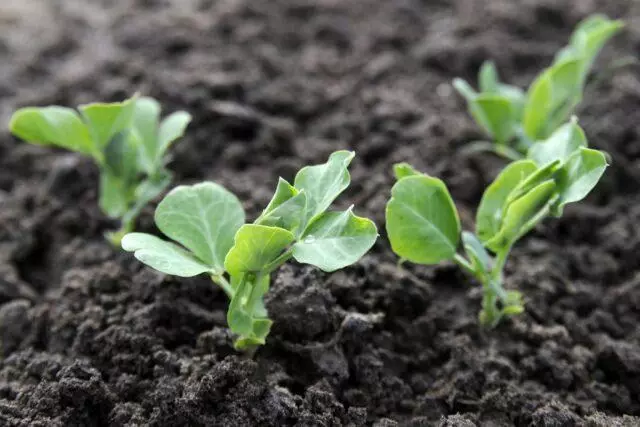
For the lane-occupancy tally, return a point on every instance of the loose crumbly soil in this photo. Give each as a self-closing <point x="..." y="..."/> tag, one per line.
<point x="90" y="337"/>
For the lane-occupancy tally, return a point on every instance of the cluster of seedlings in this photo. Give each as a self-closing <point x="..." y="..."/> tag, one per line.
<point x="551" y="166"/>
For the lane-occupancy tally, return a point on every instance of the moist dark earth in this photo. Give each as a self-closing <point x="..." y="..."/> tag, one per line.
<point x="91" y="337"/>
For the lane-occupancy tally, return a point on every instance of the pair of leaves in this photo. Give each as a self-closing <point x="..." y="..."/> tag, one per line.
<point x="559" y="171"/>
<point x="124" y="138"/>
<point x="497" y="108"/>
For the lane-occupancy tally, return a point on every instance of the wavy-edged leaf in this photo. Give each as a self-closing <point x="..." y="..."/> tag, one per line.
<point x="53" y="125"/>
<point x="163" y="256"/>
<point x="324" y="183"/>
<point x="491" y="209"/>
<point x="255" y="247"/>
<point x="202" y="217"/>
<point x="335" y="240"/>
<point x="422" y="221"/>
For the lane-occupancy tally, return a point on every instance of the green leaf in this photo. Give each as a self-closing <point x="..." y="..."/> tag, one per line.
<point x="488" y="78"/>
<point x="496" y="115"/>
<point x="239" y="318"/>
<point x="422" y="221"/>
<point x="580" y="175"/>
<point x="256" y="246"/>
<point x="480" y="259"/>
<point x="202" y="217"/>
<point x="522" y="215"/>
<point x="163" y="256"/>
<point x="403" y="170"/>
<point x="286" y="208"/>
<point x="335" y="240"/>
<point x="591" y="35"/>
<point x="171" y="128"/>
<point x="146" y="120"/>
<point x="105" y="120"/>
<point x="115" y="195"/>
<point x="324" y="183"/>
<point x="121" y="157"/>
<point x="559" y="146"/>
<point x="53" y="125"/>
<point x="538" y="177"/>
<point x="490" y="211"/>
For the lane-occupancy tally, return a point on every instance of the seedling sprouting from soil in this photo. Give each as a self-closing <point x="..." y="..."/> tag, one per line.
<point x="209" y="223"/>
<point x="423" y="224"/>
<point x="125" y="139"/>
<point x="513" y="120"/>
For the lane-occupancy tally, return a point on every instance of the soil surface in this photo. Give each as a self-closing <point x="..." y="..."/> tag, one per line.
<point x="91" y="337"/>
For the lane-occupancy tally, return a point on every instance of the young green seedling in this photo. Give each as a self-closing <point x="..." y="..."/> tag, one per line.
<point x="423" y="224"/>
<point x="208" y="223"/>
<point x="514" y="120"/>
<point x="125" y="139"/>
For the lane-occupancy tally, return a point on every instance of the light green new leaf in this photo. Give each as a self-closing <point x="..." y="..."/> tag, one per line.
<point x="257" y="308"/>
<point x="247" y="315"/>
<point x="239" y="316"/>
<point x="488" y="78"/>
<point x="403" y="170"/>
<point x="255" y="246"/>
<point x="115" y="195"/>
<point x="204" y="218"/>
<point x="146" y="119"/>
<point x="422" y="221"/>
<point x="163" y="256"/>
<point x="171" y="128"/>
<point x="53" y="125"/>
<point x="536" y="178"/>
<point x="323" y="183"/>
<point x="464" y="89"/>
<point x="286" y="208"/>
<point x="559" y="146"/>
<point x="480" y="259"/>
<point x="591" y="34"/>
<point x="522" y="215"/>
<point x="580" y="175"/>
<point x="105" y="120"/>
<point x="490" y="212"/>
<point x="335" y="240"/>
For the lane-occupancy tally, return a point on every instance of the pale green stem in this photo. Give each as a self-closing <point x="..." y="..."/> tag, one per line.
<point x="224" y="284"/>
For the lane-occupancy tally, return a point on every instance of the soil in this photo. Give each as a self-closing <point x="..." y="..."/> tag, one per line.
<point x="90" y="337"/>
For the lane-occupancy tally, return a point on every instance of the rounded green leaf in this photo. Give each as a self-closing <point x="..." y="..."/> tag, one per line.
<point x="104" y="120"/>
<point x="163" y="256"/>
<point x="490" y="212"/>
<point x="497" y="116"/>
<point x="204" y="218"/>
<point x="335" y="240"/>
<point x="422" y="221"/>
<point x="53" y="125"/>
<point x="256" y="246"/>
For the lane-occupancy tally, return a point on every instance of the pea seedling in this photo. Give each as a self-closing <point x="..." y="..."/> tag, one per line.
<point x="514" y="120"/>
<point x="424" y="228"/>
<point x="125" y="139"/>
<point x="209" y="222"/>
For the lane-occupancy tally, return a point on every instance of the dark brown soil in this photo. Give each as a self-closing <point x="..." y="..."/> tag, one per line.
<point x="90" y="337"/>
